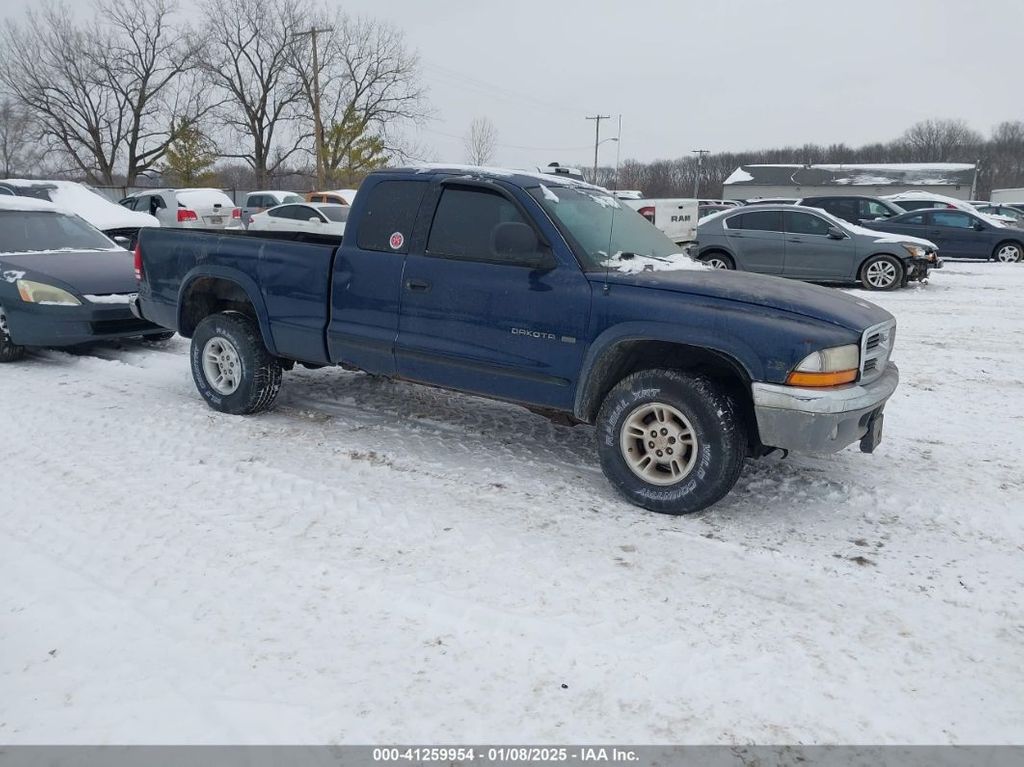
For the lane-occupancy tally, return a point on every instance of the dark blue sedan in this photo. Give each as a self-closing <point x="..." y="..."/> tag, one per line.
<point x="958" y="233"/>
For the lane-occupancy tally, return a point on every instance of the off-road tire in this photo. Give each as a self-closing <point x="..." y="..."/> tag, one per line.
<point x="9" y="351"/>
<point x="899" y="272"/>
<point x="721" y="443"/>
<point x="260" y="371"/>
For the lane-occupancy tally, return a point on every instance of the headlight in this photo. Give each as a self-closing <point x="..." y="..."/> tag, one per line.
<point x="915" y="250"/>
<point x="41" y="293"/>
<point x="828" y="367"/>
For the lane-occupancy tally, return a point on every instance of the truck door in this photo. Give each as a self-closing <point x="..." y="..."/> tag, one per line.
<point x="477" y="312"/>
<point x="367" y="276"/>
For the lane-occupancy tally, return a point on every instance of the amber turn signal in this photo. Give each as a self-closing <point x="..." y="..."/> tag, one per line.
<point x="838" y="378"/>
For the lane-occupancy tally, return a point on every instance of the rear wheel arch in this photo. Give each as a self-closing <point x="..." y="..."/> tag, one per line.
<point x="725" y="255"/>
<point x="626" y="357"/>
<point x="204" y="295"/>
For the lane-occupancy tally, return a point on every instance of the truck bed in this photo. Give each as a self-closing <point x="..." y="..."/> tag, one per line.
<point x="294" y="282"/>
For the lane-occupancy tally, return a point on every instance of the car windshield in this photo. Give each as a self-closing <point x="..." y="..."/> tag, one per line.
<point x="601" y="226"/>
<point x="291" y="199"/>
<point x="27" y="231"/>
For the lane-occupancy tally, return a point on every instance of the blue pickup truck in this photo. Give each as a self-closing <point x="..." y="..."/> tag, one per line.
<point x="540" y="290"/>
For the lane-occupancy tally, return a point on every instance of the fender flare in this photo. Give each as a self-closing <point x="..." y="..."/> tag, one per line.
<point x="244" y="282"/>
<point x="605" y="349"/>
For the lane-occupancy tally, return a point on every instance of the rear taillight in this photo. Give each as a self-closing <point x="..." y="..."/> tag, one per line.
<point x="236" y="213"/>
<point x="138" y="262"/>
<point x="184" y="214"/>
<point x="647" y="212"/>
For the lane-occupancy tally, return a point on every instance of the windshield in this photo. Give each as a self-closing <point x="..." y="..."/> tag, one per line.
<point x="601" y="226"/>
<point x="291" y="199"/>
<point x="26" y="231"/>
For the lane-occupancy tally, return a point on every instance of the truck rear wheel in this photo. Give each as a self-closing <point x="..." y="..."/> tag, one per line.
<point x="670" y="441"/>
<point x="9" y="351"/>
<point x="231" y="366"/>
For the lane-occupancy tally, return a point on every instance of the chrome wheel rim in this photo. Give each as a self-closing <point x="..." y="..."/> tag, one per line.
<point x="658" y="444"/>
<point x="221" y="365"/>
<point x="1008" y="254"/>
<point x="3" y="324"/>
<point x="716" y="263"/>
<point x="880" y="274"/>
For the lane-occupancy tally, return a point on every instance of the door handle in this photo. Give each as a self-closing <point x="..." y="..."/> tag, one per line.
<point x="794" y="239"/>
<point x="418" y="286"/>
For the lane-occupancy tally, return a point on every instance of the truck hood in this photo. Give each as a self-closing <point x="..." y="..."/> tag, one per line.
<point x="87" y="272"/>
<point x="775" y="293"/>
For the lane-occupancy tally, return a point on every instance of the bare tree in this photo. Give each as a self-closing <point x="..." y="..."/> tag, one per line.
<point x="248" y="58"/>
<point x="17" y="140"/>
<point x="938" y="141"/>
<point x="369" y="91"/>
<point x="481" y="141"/>
<point x="101" y="92"/>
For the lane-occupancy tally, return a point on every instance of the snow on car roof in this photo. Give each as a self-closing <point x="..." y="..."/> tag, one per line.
<point x="87" y="203"/>
<point x="483" y="170"/>
<point x="7" y="202"/>
<point x="203" y="197"/>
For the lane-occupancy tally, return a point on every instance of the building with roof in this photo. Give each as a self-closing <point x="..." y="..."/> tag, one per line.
<point x="749" y="182"/>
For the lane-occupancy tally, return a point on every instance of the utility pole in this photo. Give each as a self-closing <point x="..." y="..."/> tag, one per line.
<point x="318" y="126"/>
<point x="597" y="137"/>
<point x="700" y="166"/>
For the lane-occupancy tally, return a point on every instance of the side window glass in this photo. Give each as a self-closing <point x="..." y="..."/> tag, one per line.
<point x="917" y="218"/>
<point x="805" y="223"/>
<point x="951" y="218"/>
<point x="388" y="218"/>
<point x="480" y="225"/>
<point x="763" y="221"/>
<point x="285" y="211"/>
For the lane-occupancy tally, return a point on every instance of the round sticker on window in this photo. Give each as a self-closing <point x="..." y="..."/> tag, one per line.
<point x="397" y="240"/>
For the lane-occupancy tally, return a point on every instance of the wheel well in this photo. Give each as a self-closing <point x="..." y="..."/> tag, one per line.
<point x="210" y="295"/>
<point x="720" y="251"/>
<point x="860" y="269"/>
<point x="632" y="356"/>
<point x="1008" y="242"/>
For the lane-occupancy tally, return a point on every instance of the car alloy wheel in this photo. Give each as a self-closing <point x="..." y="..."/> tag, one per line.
<point x="3" y="325"/>
<point x="716" y="262"/>
<point x="221" y="365"/>
<point x="658" y="443"/>
<point x="880" y="274"/>
<point x="1008" y="254"/>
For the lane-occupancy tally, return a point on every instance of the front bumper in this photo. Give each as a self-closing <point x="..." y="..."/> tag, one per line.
<point x="820" y="420"/>
<point x="42" y="325"/>
<point x="918" y="268"/>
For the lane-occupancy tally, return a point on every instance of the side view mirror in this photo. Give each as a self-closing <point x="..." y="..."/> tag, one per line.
<point x="315" y="220"/>
<point x="978" y="226"/>
<point x="835" y="233"/>
<point x="124" y="242"/>
<point x="518" y="242"/>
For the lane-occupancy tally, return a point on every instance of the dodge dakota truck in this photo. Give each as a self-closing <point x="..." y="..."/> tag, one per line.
<point x="544" y="291"/>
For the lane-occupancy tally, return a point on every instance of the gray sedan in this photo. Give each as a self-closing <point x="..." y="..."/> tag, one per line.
<point x="810" y="244"/>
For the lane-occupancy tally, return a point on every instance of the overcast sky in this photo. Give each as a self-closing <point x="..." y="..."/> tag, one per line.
<point x="686" y="74"/>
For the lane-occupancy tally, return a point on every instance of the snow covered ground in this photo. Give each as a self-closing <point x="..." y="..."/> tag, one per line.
<point x="379" y="561"/>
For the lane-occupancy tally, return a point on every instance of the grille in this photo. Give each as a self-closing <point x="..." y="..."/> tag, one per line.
<point x="876" y="348"/>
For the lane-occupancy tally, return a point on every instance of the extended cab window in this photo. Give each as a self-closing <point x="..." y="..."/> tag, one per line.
<point x="468" y="224"/>
<point x="389" y="215"/>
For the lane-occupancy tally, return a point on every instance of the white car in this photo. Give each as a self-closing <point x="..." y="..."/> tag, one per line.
<point x="259" y="201"/>
<point x="914" y="200"/>
<point x="312" y="217"/>
<point x="187" y="208"/>
<point x="119" y="224"/>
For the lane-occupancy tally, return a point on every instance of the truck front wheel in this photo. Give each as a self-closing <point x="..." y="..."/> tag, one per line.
<point x="670" y="441"/>
<point x="231" y="366"/>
